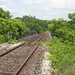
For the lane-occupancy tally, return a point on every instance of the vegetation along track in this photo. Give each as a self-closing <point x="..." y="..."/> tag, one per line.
<point x="6" y="51"/>
<point x="13" y="62"/>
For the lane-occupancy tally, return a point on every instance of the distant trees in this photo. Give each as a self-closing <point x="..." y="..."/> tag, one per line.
<point x="34" y="24"/>
<point x="71" y="16"/>
<point x="15" y="28"/>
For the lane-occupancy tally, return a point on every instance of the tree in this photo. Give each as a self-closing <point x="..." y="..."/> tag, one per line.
<point x="4" y="14"/>
<point x="71" y="15"/>
<point x="34" y="24"/>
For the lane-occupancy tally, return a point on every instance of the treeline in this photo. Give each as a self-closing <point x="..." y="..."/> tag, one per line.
<point x="11" y="29"/>
<point x="35" y="24"/>
<point x="63" y="45"/>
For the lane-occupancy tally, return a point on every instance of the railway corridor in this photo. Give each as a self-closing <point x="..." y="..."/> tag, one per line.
<point x="10" y="62"/>
<point x="25" y="60"/>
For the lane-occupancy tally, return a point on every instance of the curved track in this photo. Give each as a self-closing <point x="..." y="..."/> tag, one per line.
<point x="13" y="62"/>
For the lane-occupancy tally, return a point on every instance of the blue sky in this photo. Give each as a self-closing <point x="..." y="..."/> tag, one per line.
<point x="42" y="9"/>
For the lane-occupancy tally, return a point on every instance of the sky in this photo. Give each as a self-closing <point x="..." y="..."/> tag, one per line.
<point x="42" y="9"/>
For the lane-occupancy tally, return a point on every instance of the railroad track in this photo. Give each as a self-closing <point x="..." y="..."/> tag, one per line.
<point x="10" y="50"/>
<point x="13" y="62"/>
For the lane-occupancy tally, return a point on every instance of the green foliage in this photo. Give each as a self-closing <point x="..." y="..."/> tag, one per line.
<point x="4" y="14"/>
<point x="63" y="55"/>
<point x="12" y="41"/>
<point x="63" y="45"/>
<point x="10" y="28"/>
<point x="34" y="24"/>
<point x="2" y="38"/>
<point x="15" y="28"/>
<point x="71" y="15"/>
<point x="62" y="29"/>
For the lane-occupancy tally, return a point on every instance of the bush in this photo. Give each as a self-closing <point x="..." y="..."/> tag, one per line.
<point x="63" y="55"/>
<point x="2" y="38"/>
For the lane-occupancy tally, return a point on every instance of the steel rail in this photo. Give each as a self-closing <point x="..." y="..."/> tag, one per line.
<point x="10" y="50"/>
<point x="28" y="57"/>
<point x="37" y="45"/>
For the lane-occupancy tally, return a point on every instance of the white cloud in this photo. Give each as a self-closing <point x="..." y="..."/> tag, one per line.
<point x="46" y="9"/>
<point x="61" y="3"/>
<point x="2" y="0"/>
<point x="33" y="1"/>
<point x="8" y="5"/>
<point x="49" y="8"/>
<point x="57" y="3"/>
<point x="5" y="7"/>
<point x="52" y="3"/>
<point x="39" y="8"/>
